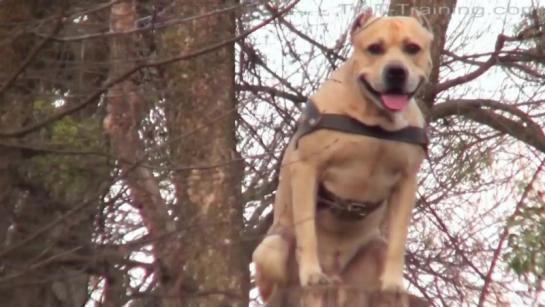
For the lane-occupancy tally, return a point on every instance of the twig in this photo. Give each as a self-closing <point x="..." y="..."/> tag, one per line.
<point x="500" y="42"/>
<point x="151" y="27"/>
<point x="32" y="54"/>
<point x="272" y="91"/>
<point x="74" y="108"/>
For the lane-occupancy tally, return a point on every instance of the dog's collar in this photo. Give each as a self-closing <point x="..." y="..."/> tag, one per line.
<point x="348" y="210"/>
<point x="313" y="120"/>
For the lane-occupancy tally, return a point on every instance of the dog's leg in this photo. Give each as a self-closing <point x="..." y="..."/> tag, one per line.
<point x="271" y="261"/>
<point x="304" y="179"/>
<point x="399" y="215"/>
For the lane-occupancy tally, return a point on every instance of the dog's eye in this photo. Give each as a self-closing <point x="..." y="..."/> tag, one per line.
<point x="412" y="48"/>
<point x="375" y="49"/>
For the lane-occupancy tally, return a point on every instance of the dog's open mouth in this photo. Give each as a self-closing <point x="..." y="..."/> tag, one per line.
<point x="393" y="101"/>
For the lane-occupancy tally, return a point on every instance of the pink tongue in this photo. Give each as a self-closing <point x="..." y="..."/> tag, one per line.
<point x="395" y="102"/>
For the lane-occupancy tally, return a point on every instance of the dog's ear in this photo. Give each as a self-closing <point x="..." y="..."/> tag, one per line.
<point x="422" y="19"/>
<point x="361" y="20"/>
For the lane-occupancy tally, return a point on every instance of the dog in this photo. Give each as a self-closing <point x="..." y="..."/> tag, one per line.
<point x="311" y="244"/>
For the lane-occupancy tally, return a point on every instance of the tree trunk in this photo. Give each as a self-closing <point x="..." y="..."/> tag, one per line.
<point x="126" y="109"/>
<point x="201" y="114"/>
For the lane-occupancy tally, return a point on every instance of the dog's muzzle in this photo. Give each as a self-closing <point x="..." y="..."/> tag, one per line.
<point x="394" y="98"/>
<point x="395" y="78"/>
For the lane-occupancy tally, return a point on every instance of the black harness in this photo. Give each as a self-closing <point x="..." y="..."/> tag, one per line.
<point x="312" y="120"/>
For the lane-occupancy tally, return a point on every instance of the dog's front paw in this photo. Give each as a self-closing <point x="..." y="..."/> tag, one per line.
<point x="392" y="283"/>
<point x="313" y="276"/>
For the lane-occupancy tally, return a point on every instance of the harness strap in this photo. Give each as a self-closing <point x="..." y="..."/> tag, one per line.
<point x="313" y="120"/>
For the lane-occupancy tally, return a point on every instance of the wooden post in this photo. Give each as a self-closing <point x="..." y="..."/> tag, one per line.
<point x="343" y="296"/>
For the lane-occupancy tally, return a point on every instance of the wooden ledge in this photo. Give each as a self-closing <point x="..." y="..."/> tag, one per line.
<point x="343" y="296"/>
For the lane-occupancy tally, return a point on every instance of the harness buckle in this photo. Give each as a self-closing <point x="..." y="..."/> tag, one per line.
<point x="313" y="122"/>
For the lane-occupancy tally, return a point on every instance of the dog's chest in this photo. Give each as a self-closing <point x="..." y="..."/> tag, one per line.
<point x="366" y="169"/>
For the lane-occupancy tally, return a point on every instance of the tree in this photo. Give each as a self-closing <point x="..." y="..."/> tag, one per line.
<point x="201" y="97"/>
<point x="49" y="196"/>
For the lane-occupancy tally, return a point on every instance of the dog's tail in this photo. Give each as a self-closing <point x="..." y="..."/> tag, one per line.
<point x="271" y="263"/>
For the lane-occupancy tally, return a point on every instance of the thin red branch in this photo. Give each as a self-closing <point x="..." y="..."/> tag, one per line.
<point x="271" y="91"/>
<point x="328" y="52"/>
<point x="504" y="235"/>
<point x="500" y="42"/>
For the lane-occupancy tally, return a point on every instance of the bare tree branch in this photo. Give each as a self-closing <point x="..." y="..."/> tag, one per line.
<point x="32" y="54"/>
<point x="144" y="64"/>
<point x="483" y="111"/>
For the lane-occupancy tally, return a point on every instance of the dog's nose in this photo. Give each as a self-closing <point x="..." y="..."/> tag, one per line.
<point x="395" y="76"/>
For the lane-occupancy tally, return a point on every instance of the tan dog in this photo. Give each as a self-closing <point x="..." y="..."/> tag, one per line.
<point x="390" y="61"/>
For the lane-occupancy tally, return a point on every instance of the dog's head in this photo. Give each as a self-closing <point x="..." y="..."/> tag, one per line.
<point x="391" y="57"/>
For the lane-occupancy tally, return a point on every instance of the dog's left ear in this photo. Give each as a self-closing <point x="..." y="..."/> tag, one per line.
<point x="361" y="20"/>
<point x="422" y="19"/>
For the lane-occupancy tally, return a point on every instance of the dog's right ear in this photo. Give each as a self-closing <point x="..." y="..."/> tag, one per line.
<point x="360" y="21"/>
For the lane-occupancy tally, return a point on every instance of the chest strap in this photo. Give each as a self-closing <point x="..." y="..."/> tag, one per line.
<point x="313" y="120"/>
